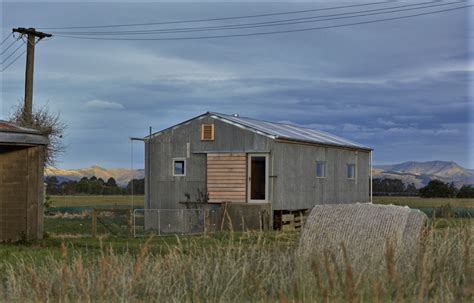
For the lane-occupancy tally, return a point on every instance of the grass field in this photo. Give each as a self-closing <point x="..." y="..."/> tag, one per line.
<point x="70" y="266"/>
<point x="424" y="202"/>
<point x="228" y="267"/>
<point x="96" y="201"/>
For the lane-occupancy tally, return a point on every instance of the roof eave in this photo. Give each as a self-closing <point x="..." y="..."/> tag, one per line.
<point x="22" y="139"/>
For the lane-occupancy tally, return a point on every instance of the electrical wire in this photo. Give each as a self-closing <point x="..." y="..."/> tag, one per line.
<point x="5" y="40"/>
<point x="265" y="33"/>
<point x="263" y="24"/>
<point x="14" y="60"/>
<point x="217" y="19"/>
<point x="9" y="46"/>
<point x="232" y="25"/>
<point x="9" y="56"/>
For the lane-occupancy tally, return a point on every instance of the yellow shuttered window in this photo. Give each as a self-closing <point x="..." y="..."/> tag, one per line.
<point x="207" y="132"/>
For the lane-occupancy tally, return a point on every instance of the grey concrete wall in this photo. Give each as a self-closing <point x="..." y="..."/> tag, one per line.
<point x="168" y="191"/>
<point x="297" y="187"/>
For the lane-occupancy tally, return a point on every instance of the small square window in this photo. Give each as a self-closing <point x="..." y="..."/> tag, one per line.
<point x="179" y="167"/>
<point x="320" y="169"/>
<point x="351" y="171"/>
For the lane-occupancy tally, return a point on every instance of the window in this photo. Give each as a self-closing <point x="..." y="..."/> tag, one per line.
<point x="320" y="169"/>
<point x="179" y="167"/>
<point x="351" y="171"/>
<point x="207" y="132"/>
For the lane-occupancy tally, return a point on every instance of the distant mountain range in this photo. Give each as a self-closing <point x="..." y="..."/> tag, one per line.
<point x="419" y="173"/>
<point x="121" y="175"/>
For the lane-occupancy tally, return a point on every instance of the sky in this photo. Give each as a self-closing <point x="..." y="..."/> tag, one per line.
<point x="403" y="87"/>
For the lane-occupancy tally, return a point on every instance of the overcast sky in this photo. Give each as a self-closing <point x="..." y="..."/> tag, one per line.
<point x="401" y="87"/>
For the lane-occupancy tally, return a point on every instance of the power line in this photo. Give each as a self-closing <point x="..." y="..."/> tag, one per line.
<point x="17" y="57"/>
<point x="9" y="46"/>
<point x="9" y="56"/>
<point x="14" y="60"/>
<point x="219" y="19"/>
<point x="5" y="40"/>
<point x="266" y="33"/>
<point x="263" y="24"/>
<point x="233" y="25"/>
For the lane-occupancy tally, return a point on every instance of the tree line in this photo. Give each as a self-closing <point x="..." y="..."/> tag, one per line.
<point x="434" y="189"/>
<point x="93" y="186"/>
<point x="380" y="187"/>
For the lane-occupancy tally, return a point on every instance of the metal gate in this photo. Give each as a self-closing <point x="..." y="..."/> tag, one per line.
<point x="168" y="221"/>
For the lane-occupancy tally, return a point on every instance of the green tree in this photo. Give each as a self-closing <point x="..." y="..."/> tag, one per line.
<point x="83" y="186"/>
<point x="111" y="182"/>
<point x="52" y="187"/>
<point x="438" y="189"/>
<point x="95" y="186"/>
<point x="138" y="187"/>
<point x="466" y="191"/>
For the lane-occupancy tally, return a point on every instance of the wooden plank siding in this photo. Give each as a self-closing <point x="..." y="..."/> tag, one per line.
<point x="226" y="177"/>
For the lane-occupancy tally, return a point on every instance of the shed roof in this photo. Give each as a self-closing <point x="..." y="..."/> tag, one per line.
<point x="290" y="132"/>
<point x="281" y="131"/>
<point x="14" y="134"/>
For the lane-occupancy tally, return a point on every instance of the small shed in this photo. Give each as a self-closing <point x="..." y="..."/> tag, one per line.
<point x="252" y="166"/>
<point x="21" y="182"/>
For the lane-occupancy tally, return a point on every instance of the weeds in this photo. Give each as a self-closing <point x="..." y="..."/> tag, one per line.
<point x="243" y="267"/>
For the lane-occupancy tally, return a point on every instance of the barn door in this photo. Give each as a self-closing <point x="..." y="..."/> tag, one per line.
<point x="257" y="175"/>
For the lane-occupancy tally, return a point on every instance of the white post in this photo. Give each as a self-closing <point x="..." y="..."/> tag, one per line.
<point x="371" y="186"/>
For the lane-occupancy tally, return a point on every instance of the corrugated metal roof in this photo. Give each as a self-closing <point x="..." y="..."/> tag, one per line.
<point x="9" y="126"/>
<point x="290" y="132"/>
<point x="15" y="134"/>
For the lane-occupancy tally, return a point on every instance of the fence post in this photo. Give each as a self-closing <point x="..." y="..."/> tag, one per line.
<point x="94" y="222"/>
<point x="129" y="223"/>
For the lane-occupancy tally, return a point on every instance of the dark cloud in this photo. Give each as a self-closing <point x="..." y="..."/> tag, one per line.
<point x="401" y="87"/>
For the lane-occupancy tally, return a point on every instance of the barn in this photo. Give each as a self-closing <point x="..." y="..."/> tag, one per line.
<point x="252" y="167"/>
<point x="21" y="182"/>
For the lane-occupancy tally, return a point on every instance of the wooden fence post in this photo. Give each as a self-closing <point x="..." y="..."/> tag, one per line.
<point x="94" y="222"/>
<point x="129" y="223"/>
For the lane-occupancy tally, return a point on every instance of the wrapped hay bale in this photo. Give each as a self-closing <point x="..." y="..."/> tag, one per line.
<point x="364" y="230"/>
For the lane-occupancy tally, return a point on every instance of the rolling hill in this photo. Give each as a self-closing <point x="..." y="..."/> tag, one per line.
<point x="420" y="173"/>
<point x="121" y="175"/>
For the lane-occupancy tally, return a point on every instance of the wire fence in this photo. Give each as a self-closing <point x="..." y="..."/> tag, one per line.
<point x="168" y="221"/>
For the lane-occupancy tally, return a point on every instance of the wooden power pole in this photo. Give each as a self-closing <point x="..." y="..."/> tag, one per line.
<point x="31" y="34"/>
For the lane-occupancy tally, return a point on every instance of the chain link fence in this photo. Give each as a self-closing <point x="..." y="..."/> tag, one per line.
<point x="168" y="221"/>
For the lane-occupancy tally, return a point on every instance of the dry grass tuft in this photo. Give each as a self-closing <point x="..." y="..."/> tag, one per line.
<point x="233" y="270"/>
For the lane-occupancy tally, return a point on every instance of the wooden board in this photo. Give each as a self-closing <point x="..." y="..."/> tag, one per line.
<point x="226" y="177"/>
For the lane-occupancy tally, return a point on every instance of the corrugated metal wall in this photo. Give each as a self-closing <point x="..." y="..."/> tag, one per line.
<point x="297" y="187"/>
<point x="293" y="184"/>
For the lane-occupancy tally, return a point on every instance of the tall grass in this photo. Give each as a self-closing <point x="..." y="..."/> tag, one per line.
<point x="234" y="270"/>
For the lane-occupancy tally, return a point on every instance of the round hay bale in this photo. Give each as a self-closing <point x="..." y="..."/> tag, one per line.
<point x="364" y="230"/>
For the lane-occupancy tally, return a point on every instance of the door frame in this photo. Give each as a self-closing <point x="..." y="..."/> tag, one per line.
<point x="249" y="180"/>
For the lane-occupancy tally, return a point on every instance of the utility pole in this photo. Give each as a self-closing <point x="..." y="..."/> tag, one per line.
<point x="31" y="34"/>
